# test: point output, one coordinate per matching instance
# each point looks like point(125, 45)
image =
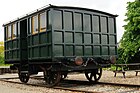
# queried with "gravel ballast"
point(107, 76)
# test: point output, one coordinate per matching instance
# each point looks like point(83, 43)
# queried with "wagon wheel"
point(24, 77)
point(52, 78)
point(94, 75)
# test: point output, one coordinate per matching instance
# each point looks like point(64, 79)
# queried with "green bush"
point(1, 59)
point(1, 52)
point(130, 42)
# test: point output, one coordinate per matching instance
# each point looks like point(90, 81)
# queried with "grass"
point(112, 68)
point(5, 64)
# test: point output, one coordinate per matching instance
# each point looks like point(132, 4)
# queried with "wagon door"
point(23, 42)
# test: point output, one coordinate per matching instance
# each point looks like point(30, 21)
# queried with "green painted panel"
point(87, 39)
point(78, 21)
point(88, 51)
point(87, 23)
point(6, 55)
point(68, 38)
point(104, 24)
point(7, 45)
point(112, 39)
point(57, 19)
point(113, 51)
point(96, 39)
point(35, 40)
point(104, 39)
point(10, 45)
point(58, 37)
point(68, 50)
point(43, 51)
point(68, 20)
point(14, 54)
point(35, 52)
point(95, 23)
point(111, 25)
point(79, 50)
point(10, 54)
point(97, 50)
point(58, 50)
point(78, 38)
point(105, 50)
point(43, 38)
point(15, 44)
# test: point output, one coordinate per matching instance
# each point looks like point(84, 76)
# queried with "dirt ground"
point(108, 76)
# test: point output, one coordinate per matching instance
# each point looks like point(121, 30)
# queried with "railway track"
point(79, 82)
point(73, 85)
point(40, 85)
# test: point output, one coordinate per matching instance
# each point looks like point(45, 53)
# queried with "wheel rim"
point(24, 77)
point(52, 78)
point(94, 75)
point(23, 74)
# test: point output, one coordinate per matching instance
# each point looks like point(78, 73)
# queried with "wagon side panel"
point(83, 33)
point(12, 43)
point(40, 37)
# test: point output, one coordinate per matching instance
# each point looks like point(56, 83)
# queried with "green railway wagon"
point(61, 39)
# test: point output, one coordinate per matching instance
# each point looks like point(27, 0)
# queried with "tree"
point(130, 42)
point(1, 52)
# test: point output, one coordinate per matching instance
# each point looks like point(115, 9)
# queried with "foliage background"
point(1, 52)
point(129, 48)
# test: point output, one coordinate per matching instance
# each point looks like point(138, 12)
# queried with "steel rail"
point(78, 82)
point(40, 85)
point(66, 82)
